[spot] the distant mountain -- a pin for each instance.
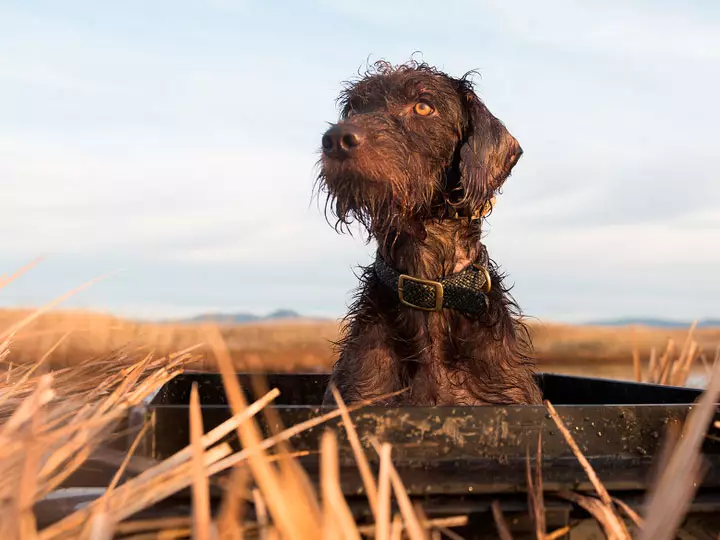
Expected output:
(657, 323)
(243, 318)
(239, 318)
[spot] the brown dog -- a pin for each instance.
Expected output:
(417, 159)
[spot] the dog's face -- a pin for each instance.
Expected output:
(412, 141)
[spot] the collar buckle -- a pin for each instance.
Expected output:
(436, 285)
(484, 271)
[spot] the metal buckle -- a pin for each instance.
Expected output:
(488, 284)
(439, 292)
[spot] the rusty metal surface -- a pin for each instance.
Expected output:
(465, 450)
(453, 460)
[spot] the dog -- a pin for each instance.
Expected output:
(416, 159)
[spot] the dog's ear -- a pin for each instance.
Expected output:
(488, 153)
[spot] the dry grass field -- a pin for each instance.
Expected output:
(306, 345)
(50, 424)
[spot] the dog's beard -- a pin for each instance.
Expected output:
(382, 206)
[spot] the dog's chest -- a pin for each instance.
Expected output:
(437, 340)
(439, 378)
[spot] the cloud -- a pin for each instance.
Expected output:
(604, 272)
(613, 28)
(180, 141)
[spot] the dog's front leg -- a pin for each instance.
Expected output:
(366, 369)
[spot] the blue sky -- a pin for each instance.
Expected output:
(178, 141)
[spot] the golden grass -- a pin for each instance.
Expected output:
(41, 449)
(53, 422)
(306, 345)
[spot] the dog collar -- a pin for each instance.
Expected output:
(464, 291)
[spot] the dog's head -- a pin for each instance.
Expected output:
(411, 143)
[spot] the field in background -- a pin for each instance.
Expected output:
(305, 345)
(52, 424)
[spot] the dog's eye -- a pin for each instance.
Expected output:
(423, 109)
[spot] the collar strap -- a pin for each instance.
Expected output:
(464, 291)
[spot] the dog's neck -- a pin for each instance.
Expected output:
(444, 247)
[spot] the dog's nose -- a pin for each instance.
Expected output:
(342, 140)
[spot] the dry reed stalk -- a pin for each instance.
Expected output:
(558, 533)
(292, 474)
(436, 523)
(592, 476)
(4, 281)
(636, 358)
(416, 510)
(684, 352)
(673, 491)
(217, 433)
(232, 508)
(396, 529)
(616, 523)
(89, 381)
(629, 512)
(78, 417)
(338, 520)
(82, 432)
(33, 368)
(500, 523)
(708, 369)
(27, 409)
(682, 368)
(264, 473)
(86, 439)
(261, 513)
(688, 338)
(665, 362)
(14, 328)
(382, 523)
(153, 524)
(360, 458)
(170, 480)
(613, 527)
(182, 533)
(131, 451)
(100, 527)
(452, 535)
(100, 524)
(136, 494)
(536, 501)
(652, 366)
(200, 487)
(411, 517)
(290, 432)
(27, 527)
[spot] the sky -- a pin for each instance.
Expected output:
(178, 141)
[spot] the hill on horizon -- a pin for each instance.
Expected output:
(653, 322)
(284, 314)
(244, 317)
